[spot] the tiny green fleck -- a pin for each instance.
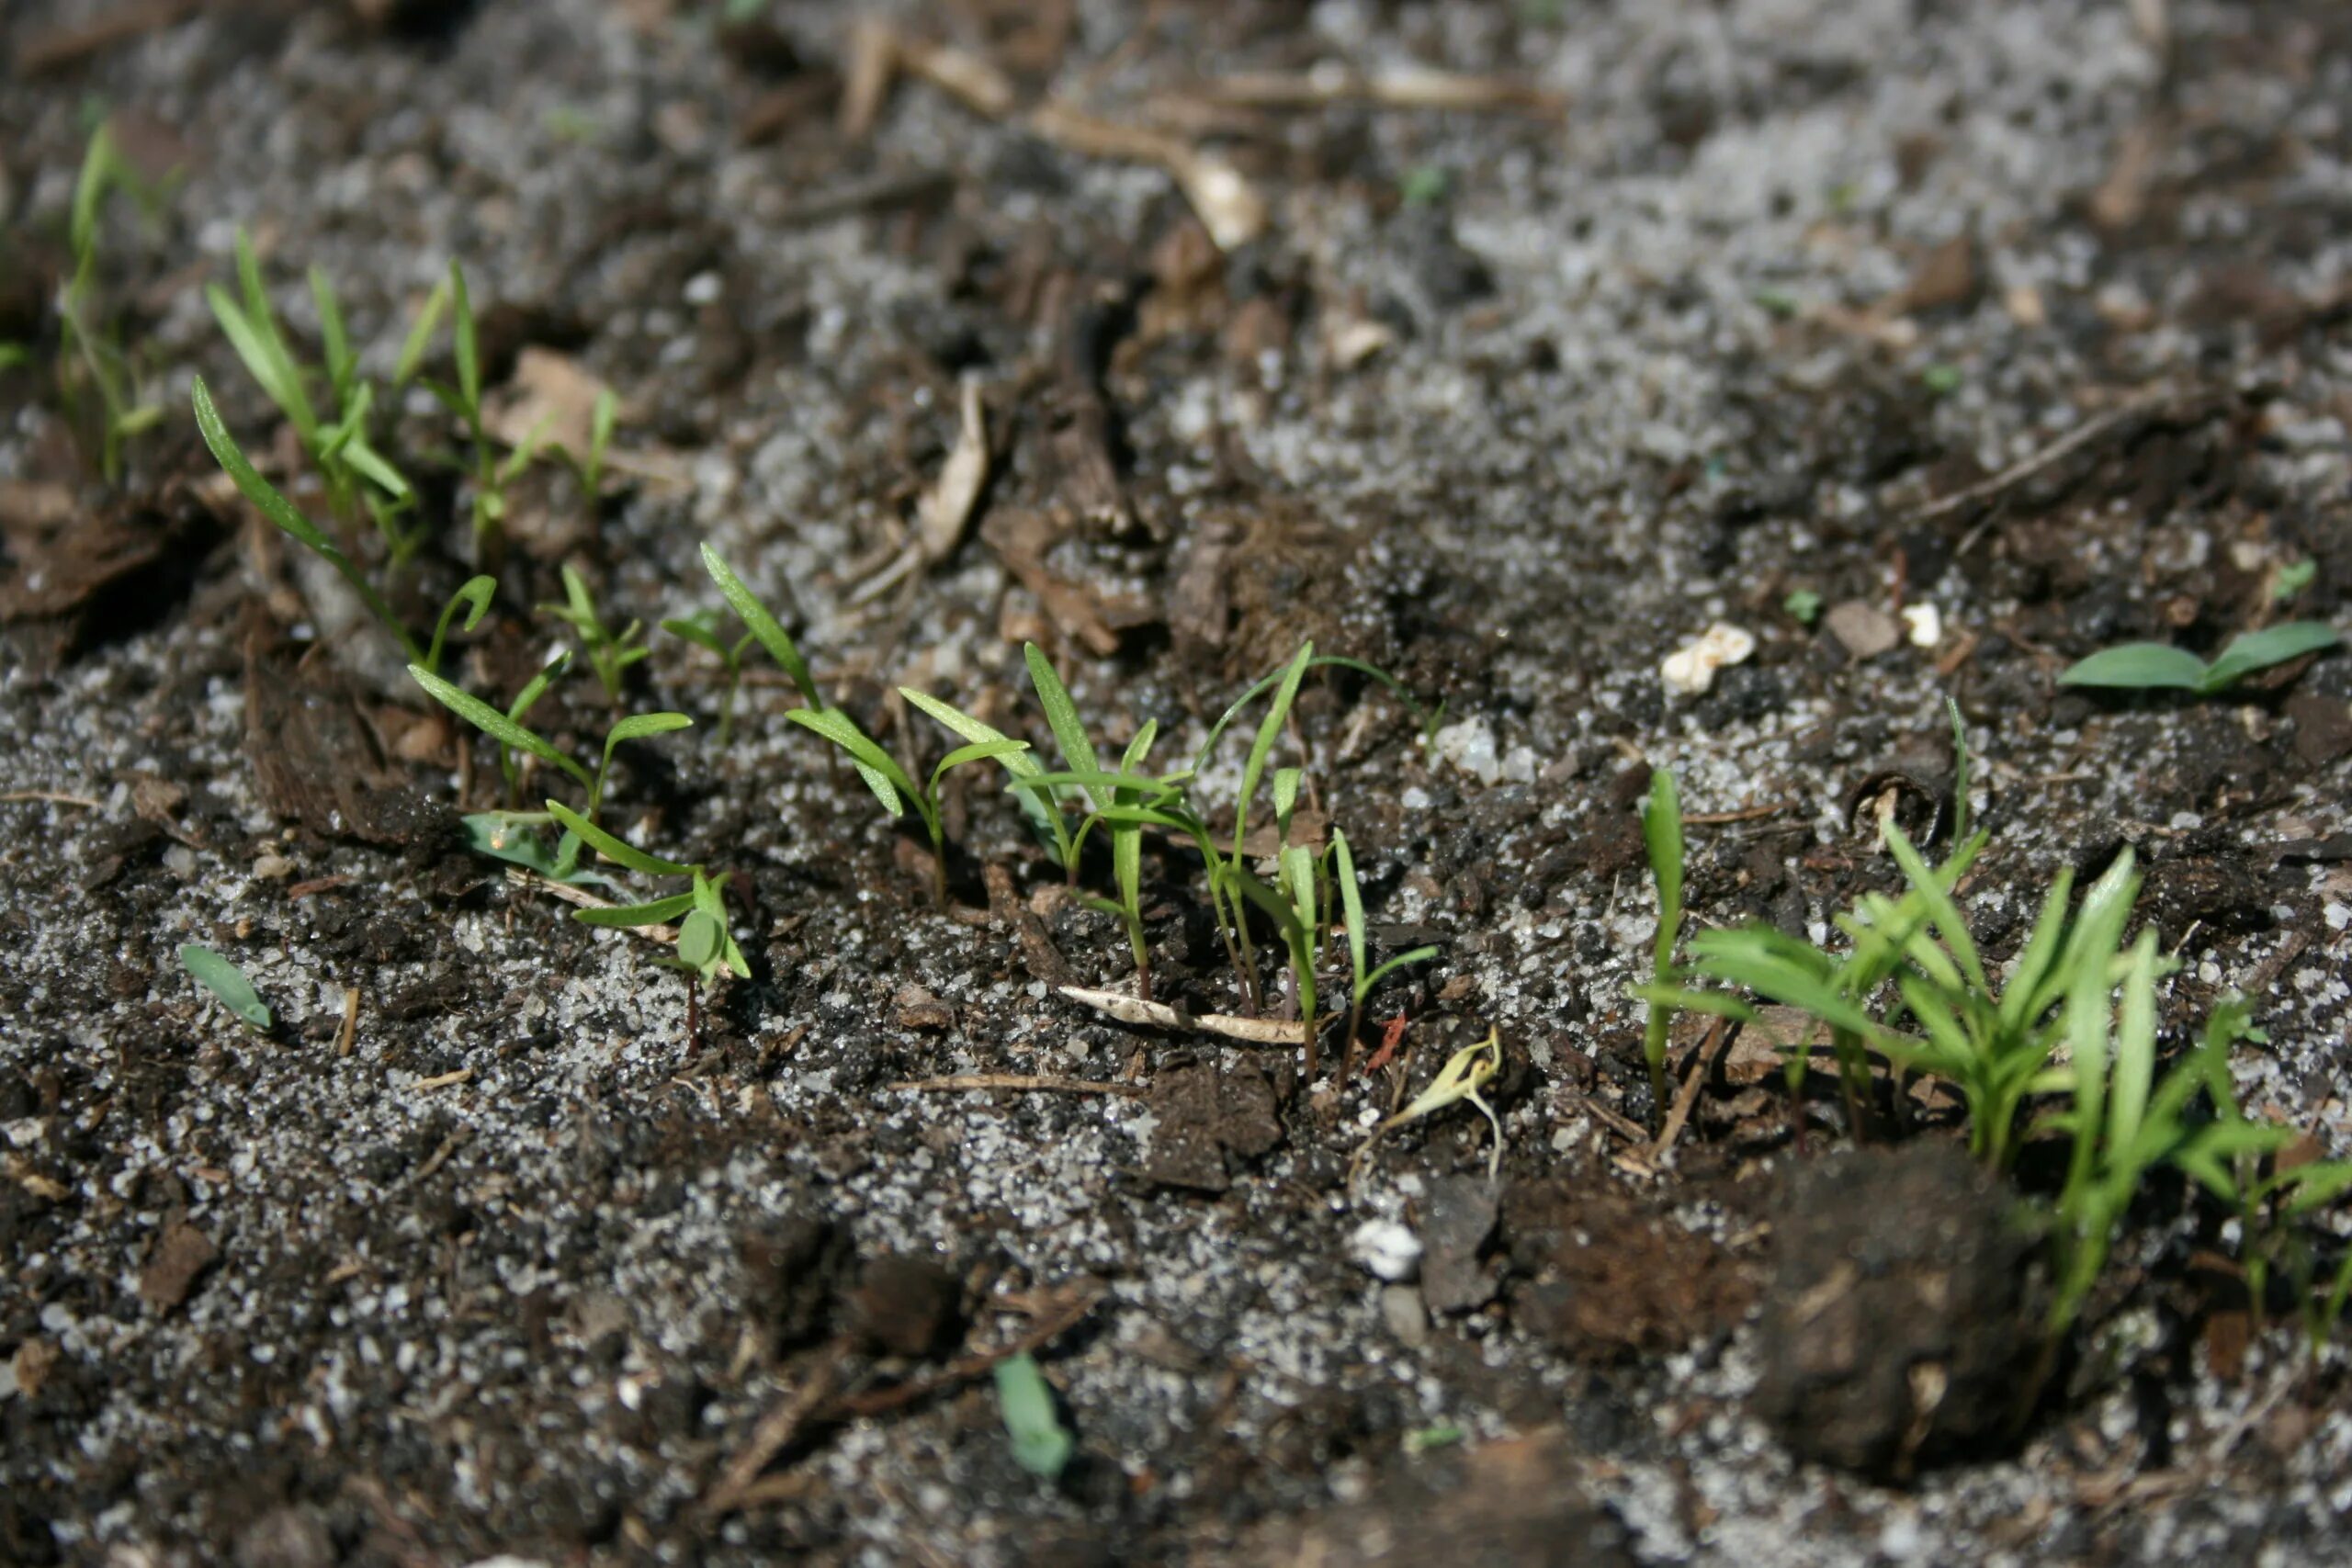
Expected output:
(1803, 605)
(1425, 185)
(2292, 580)
(1942, 380)
(1444, 1434)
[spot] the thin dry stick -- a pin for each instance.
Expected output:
(1039, 1082)
(666, 936)
(53, 796)
(347, 1037)
(776, 1431)
(1702, 1063)
(898, 1396)
(1745, 814)
(2016, 473)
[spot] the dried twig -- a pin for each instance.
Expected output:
(1406, 87)
(1230, 209)
(1039, 1082)
(776, 1431)
(2017, 473)
(53, 797)
(1702, 1062)
(347, 1038)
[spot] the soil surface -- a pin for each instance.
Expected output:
(2032, 315)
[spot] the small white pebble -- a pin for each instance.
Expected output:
(1390, 1250)
(1691, 669)
(1926, 624)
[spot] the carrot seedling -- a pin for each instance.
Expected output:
(702, 630)
(762, 626)
(92, 357)
(358, 475)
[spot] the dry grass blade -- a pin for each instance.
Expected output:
(948, 505)
(1230, 208)
(1409, 87)
(1142, 1014)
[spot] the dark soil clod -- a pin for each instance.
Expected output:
(1893, 1330)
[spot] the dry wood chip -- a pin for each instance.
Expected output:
(183, 1253)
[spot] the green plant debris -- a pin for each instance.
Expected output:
(1041, 1444)
(2151, 666)
(1445, 1435)
(92, 360)
(226, 982)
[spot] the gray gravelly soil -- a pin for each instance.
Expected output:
(523, 1267)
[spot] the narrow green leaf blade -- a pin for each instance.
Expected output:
(614, 848)
(762, 626)
(1061, 717)
(492, 723)
(2250, 651)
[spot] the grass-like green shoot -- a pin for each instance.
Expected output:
(511, 732)
(1253, 770)
(2146, 666)
(474, 594)
(705, 945)
(1662, 836)
(892, 787)
(358, 476)
(93, 360)
(762, 626)
(1362, 974)
(702, 630)
(228, 983)
(610, 653)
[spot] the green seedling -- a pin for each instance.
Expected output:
(14, 356)
(890, 784)
(590, 466)
(510, 762)
(228, 983)
(610, 653)
(1364, 975)
(358, 476)
(462, 398)
(1662, 836)
(1803, 606)
(515, 837)
(475, 595)
(1041, 1444)
(1444, 1434)
(93, 359)
(1126, 838)
(1465, 1073)
(2144, 666)
(1424, 185)
(705, 946)
(2292, 578)
(511, 733)
(702, 630)
(762, 626)
(1261, 749)
(1944, 380)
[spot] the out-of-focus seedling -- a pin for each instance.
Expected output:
(228, 983)
(1041, 1444)
(356, 474)
(92, 360)
(609, 653)
(702, 630)
(2145, 666)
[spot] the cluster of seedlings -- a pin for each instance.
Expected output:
(2062, 1047)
